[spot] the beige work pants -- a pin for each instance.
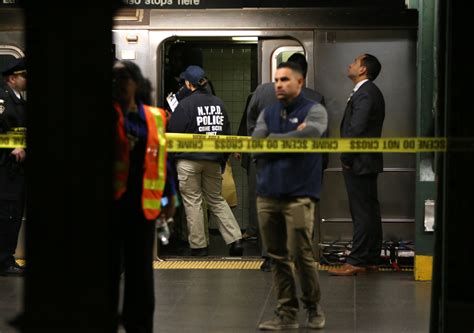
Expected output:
(198, 179)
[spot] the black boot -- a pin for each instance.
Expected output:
(236, 248)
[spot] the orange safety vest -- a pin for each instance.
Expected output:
(154, 176)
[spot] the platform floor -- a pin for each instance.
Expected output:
(236, 300)
(219, 295)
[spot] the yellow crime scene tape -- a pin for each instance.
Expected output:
(14, 140)
(242, 144)
(178, 142)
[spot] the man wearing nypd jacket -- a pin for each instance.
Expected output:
(200, 174)
(288, 186)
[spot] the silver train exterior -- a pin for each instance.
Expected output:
(241, 47)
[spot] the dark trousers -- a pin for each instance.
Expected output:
(10, 222)
(133, 246)
(12, 187)
(365, 211)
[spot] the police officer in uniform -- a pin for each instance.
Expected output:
(12, 179)
(200, 174)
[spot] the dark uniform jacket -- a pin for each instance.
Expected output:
(12, 114)
(363, 118)
(12, 110)
(200, 113)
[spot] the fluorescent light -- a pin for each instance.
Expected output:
(245, 39)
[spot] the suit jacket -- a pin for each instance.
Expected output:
(363, 118)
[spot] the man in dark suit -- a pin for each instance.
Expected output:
(363, 118)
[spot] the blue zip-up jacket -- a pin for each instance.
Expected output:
(290, 175)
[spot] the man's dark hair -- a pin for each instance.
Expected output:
(372, 64)
(291, 65)
(143, 84)
(300, 59)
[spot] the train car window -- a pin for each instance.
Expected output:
(282, 54)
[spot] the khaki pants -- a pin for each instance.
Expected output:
(286, 227)
(198, 179)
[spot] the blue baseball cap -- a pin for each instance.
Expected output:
(193, 74)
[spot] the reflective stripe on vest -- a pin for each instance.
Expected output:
(154, 176)
(155, 162)
(122, 163)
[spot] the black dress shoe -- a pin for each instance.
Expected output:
(12, 271)
(236, 248)
(202, 252)
(18, 321)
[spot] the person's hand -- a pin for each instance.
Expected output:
(346, 167)
(19, 154)
(238, 156)
(301, 126)
(170, 209)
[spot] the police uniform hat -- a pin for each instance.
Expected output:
(193, 74)
(16, 66)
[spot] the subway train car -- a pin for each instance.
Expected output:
(422, 49)
(240, 48)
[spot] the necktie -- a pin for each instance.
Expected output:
(350, 96)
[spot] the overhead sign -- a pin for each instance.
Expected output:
(205, 4)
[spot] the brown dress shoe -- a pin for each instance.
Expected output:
(346, 270)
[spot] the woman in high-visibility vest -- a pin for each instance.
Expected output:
(140, 185)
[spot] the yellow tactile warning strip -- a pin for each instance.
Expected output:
(381, 269)
(233, 264)
(207, 264)
(225, 264)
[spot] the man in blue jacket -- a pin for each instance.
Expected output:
(262, 97)
(288, 186)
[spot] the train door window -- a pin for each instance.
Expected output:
(282, 54)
